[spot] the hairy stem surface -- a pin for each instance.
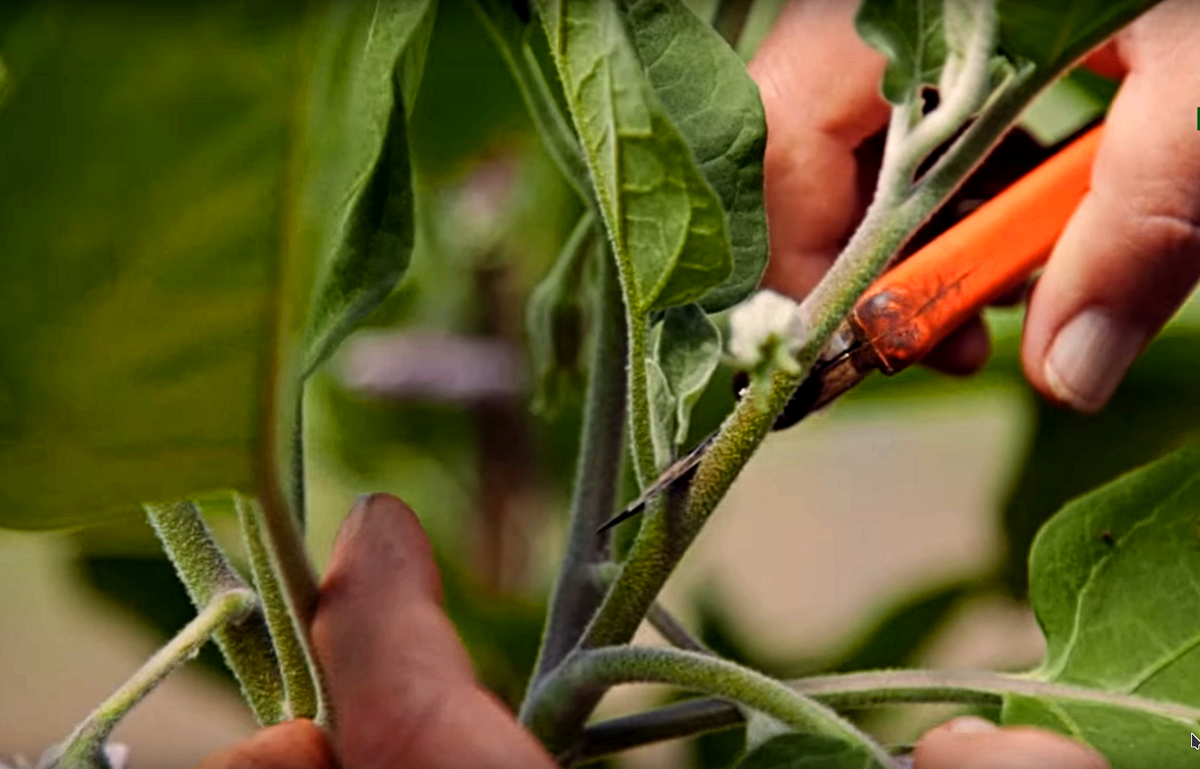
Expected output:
(294, 664)
(578, 590)
(852, 691)
(604, 668)
(83, 749)
(206, 573)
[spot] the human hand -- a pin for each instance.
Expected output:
(973, 743)
(1126, 261)
(400, 680)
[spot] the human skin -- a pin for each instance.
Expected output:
(405, 694)
(1129, 256)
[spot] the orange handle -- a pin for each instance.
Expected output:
(926, 297)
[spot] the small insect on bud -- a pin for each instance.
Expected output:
(766, 328)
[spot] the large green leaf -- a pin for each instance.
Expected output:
(705, 89)
(1115, 583)
(807, 751)
(154, 230)
(141, 159)
(665, 221)
(358, 200)
(1054, 35)
(1153, 411)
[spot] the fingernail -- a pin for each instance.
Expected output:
(1088, 358)
(971, 725)
(353, 520)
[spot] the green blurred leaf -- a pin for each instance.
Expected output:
(154, 240)
(1055, 35)
(1113, 583)
(665, 222)
(807, 751)
(705, 89)
(142, 158)
(924, 39)
(358, 200)
(554, 321)
(1154, 410)
(687, 352)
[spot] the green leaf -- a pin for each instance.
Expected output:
(358, 200)
(156, 231)
(663, 407)
(142, 158)
(664, 220)
(910, 34)
(511, 35)
(807, 751)
(554, 320)
(1114, 585)
(1153, 411)
(705, 89)
(923, 39)
(687, 353)
(1055, 35)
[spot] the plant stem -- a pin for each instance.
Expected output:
(294, 664)
(640, 424)
(83, 749)
(578, 591)
(848, 692)
(604, 668)
(666, 534)
(729, 19)
(206, 573)
(673, 631)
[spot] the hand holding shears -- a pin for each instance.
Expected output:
(919, 303)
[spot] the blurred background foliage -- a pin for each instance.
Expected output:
(431, 400)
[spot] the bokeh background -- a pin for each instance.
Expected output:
(889, 531)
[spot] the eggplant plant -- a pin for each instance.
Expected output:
(153, 362)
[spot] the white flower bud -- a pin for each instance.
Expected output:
(764, 325)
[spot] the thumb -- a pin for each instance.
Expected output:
(401, 682)
(973, 743)
(1131, 254)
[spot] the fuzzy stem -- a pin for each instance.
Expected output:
(673, 631)
(296, 579)
(640, 417)
(206, 573)
(666, 534)
(294, 663)
(84, 748)
(849, 692)
(577, 591)
(604, 668)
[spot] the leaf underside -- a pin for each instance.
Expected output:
(1115, 584)
(666, 223)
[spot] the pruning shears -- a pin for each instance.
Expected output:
(923, 299)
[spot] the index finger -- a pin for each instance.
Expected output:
(402, 684)
(819, 84)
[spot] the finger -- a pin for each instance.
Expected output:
(401, 682)
(964, 351)
(820, 89)
(1131, 253)
(973, 743)
(292, 745)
